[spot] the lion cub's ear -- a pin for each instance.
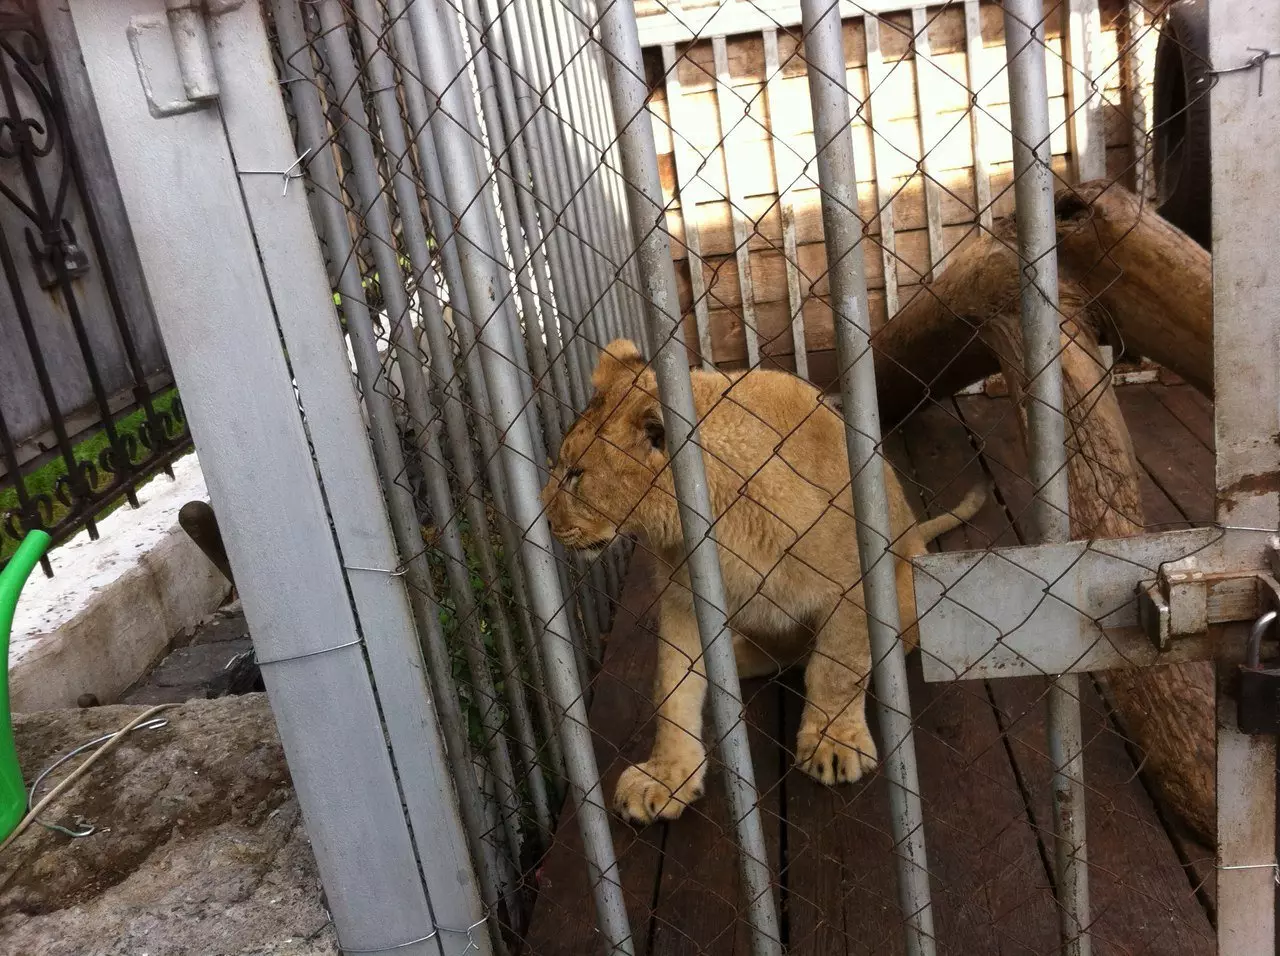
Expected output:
(617, 359)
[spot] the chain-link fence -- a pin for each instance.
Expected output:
(539, 215)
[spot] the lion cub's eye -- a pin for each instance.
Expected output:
(571, 479)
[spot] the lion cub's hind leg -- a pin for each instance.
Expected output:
(834, 744)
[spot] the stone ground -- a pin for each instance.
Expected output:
(200, 848)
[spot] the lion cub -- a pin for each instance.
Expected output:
(779, 482)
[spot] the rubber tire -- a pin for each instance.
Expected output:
(1180, 121)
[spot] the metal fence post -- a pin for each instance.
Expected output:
(1046, 430)
(1244, 130)
(621, 44)
(467, 200)
(833, 141)
(289, 559)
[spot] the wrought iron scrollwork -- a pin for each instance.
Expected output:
(42, 177)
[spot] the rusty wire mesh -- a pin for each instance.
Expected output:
(744, 214)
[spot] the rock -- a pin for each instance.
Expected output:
(200, 848)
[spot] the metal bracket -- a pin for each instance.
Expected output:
(1185, 598)
(172, 51)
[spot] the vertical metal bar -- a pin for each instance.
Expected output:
(789, 169)
(974, 53)
(367, 189)
(880, 153)
(573, 294)
(258, 130)
(322, 170)
(925, 75)
(1134, 59)
(1084, 99)
(733, 112)
(558, 135)
(413, 231)
(563, 280)
(601, 117)
(1244, 138)
(621, 43)
(400, 46)
(608, 182)
(837, 177)
(509, 206)
(572, 45)
(686, 177)
(439, 62)
(1046, 430)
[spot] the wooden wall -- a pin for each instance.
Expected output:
(769, 138)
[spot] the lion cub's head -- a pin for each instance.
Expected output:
(609, 476)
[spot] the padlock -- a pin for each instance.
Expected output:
(1258, 706)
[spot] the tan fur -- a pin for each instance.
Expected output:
(779, 481)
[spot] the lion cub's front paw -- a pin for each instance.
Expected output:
(658, 789)
(836, 753)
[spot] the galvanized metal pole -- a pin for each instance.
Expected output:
(380, 71)
(440, 67)
(1046, 430)
(366, 189)
(1244, 134)
(400, 45)
(565, 44)
(509, 205)
(552, 148)
(621, 43)
(312, 131)
(829, 96)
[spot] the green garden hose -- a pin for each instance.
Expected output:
(13, 793)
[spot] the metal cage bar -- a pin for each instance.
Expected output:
(640, 164)
(1046, 431)
(833, 141)
(466, 199)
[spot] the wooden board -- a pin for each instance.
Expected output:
(1179, 462)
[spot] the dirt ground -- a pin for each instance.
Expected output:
(199, 851)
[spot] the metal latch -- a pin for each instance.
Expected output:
(1185, 598)
(174, 57)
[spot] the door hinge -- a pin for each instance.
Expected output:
(173, 55)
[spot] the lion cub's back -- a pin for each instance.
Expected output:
(764, 419)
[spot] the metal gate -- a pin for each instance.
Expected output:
(481, 187)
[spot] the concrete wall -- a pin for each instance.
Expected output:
(114, 605)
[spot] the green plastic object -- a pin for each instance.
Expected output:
(13, 792)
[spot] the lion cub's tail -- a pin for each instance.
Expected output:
(957, 516)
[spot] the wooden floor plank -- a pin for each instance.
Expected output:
(992, 892)
(1181, 464)
(701, 907)
(1141, 900)
(563, 922)
(1189, 407)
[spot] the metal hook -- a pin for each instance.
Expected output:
(1253, 650)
